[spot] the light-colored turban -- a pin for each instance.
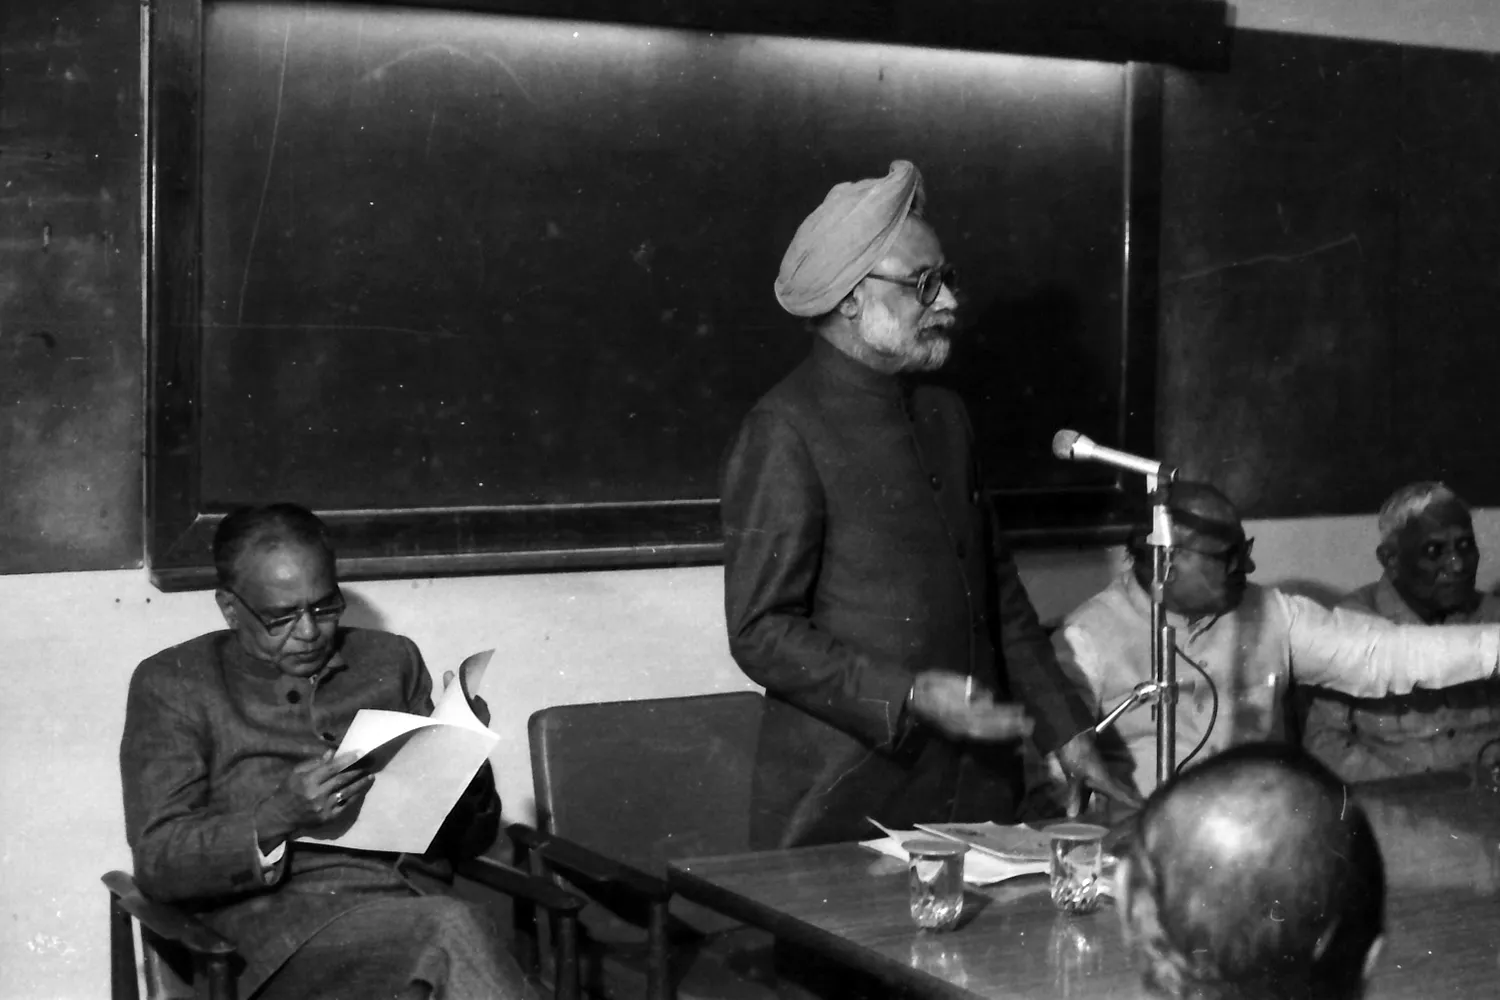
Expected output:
(845, 237)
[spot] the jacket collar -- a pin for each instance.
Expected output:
(837, 365)
(233, 655)
(1389, 604)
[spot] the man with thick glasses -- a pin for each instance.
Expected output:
(1241, 644)
(227, 757)
(1430, 561)
(867, 587)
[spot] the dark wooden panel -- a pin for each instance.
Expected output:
(70, 332)
(1279, 262)
(1447, 345)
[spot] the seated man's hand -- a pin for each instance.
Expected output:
(1081, 760)
(316, 791)
(943, 700)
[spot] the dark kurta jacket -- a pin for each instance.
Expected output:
(859, 551)
(211, 732)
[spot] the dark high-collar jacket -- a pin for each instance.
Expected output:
(860, 550)
(210, 732)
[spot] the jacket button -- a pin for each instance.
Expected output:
(293, 697)
(961, 550)
(937, 483)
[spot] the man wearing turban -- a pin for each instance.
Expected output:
(866, 585)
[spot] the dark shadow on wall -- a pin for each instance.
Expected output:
(360, 613)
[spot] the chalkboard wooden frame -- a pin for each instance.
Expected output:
(456, 540)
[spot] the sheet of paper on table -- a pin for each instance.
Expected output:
(979, 868)
(982, 867)
(1009, 843)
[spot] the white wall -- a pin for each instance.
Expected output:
(71, 640)
(1457, 24)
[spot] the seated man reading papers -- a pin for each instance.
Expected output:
(227, 758)
(1253, 877)
(1431, 560)
(1243, 643)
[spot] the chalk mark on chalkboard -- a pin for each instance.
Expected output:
(1268, 258)
(351, 327)
(378, 73)
(265, 187)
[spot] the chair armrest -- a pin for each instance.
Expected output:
(580, 861)
(514, 882)
(164, 919)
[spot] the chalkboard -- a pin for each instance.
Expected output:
(493, 292)
(1329, 288)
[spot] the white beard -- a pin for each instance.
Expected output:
(914, 349)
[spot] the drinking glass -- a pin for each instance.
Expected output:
(1077, 857)
(936, 876)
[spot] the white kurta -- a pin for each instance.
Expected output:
(1251, 653)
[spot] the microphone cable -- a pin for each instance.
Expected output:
(1213, 716)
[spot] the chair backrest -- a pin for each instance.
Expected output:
(648, 781)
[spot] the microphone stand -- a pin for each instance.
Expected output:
(1163, 635)
(1161, 689)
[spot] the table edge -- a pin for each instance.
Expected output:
(897, 974)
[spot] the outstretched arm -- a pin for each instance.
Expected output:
(1368, 657)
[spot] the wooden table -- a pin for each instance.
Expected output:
(1440, 838)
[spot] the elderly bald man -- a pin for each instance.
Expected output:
(1243, 643)
(1253, 877)
(867, 587)
(1430, 561)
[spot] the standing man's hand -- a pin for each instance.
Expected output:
(1081, 759)
(949, 702)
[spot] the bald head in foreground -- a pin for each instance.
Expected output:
(1253, 877)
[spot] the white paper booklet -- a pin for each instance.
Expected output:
(421, 766)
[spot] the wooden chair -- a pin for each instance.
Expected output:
(621, 789)
(184, 958)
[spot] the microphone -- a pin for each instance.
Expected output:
(1075, 447)
(1144, 692)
